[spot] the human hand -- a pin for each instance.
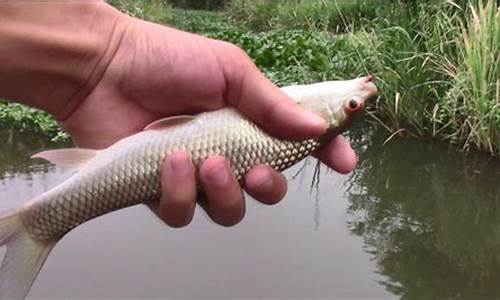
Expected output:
(158, 72)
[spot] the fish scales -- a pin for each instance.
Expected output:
(128, 173)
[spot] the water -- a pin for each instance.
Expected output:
(416, 220)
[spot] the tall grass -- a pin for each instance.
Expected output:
(474, 101)
(405, 54)
(437, 62)
(337, 16)
(439, 71)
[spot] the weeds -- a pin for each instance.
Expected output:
(439, 72)
(474, 101)
(337, 16)
(437, 62)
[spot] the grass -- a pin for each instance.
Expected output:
(474, 101)
(336, 16)
(405, 57)
(436, 62)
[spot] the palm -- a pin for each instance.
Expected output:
(142, 85)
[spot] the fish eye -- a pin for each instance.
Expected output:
(354, 104)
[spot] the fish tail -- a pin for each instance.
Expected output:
(22, 257)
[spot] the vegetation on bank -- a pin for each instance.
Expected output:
(30, 119)
(437, 62)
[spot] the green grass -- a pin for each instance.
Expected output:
(406, 58)
(337, 16)
(474, 101)
(436, 62)
(441, 79)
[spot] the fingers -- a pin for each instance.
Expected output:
(225, 200)
(338, 155)
(265, 184)
(262, 101)
(178, 185)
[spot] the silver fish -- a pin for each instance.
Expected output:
(128, 172)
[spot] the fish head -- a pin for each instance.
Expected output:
(338, 102)
(347, 99)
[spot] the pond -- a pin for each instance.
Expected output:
(415, 220)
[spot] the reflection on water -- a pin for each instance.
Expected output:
(415, 221)
(430, 216)
(22, 178)
(14, 154)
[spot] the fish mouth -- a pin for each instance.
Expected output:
(370, 88)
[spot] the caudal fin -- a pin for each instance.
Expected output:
(22, 260)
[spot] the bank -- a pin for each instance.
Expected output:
(436, 62)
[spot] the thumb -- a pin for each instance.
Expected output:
(262, 101)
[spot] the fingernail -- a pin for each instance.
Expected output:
(218, 175)
(314, 120)
(179, 163)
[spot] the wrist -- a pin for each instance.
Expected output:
(57, 51)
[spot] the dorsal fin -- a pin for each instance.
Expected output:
(168, 122)
(69, 157)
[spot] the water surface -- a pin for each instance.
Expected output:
(416, 219)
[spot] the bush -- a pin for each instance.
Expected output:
(23, 118)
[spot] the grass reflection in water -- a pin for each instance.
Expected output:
(430, 216)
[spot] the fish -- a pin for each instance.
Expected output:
(127, 173)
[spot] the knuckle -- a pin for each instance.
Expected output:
(235, 60)
(235, 51)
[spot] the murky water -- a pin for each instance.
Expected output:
(414, 220)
